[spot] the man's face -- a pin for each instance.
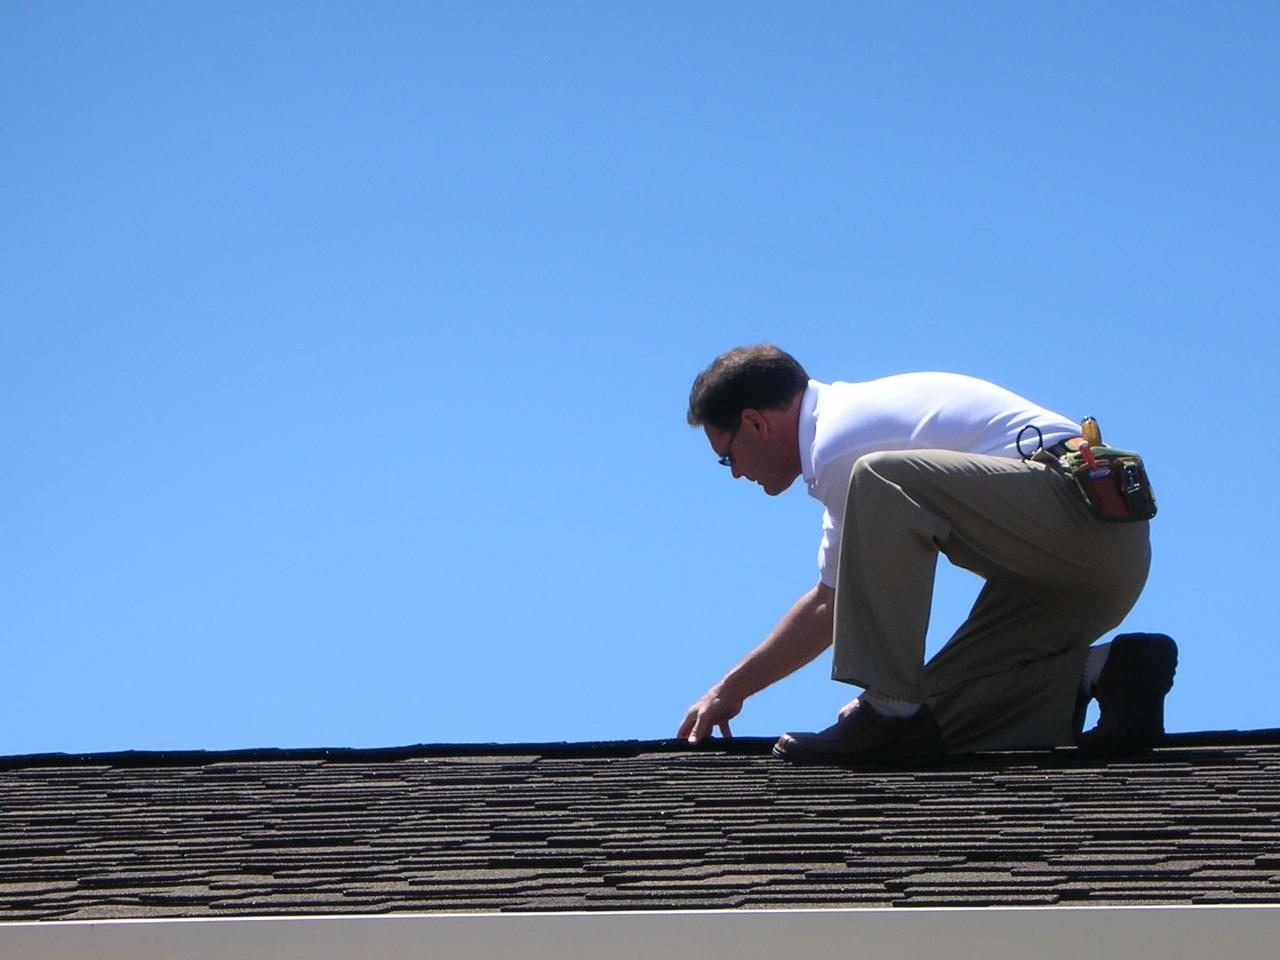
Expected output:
(754, 451)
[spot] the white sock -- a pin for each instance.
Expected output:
(1093, 665)
(888, 706)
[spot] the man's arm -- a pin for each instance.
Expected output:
(802, 634)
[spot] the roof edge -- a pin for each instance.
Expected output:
(993, 933)
(750, 746)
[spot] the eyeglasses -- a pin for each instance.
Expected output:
(727, 459)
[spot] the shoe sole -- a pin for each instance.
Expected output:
(861, 759)
(1155, 659)
(888, 757)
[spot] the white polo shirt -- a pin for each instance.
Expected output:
(839, 422)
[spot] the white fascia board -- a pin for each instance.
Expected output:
(991, 933)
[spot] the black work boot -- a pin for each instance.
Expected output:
(1130, 692)
(865, 736)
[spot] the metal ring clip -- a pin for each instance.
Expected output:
(1039, 441)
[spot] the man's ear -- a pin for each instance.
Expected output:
(756, 421)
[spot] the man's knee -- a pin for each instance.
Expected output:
(892, 489)
(879, 482)
(892, 466)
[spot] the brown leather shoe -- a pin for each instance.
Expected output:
(864, 736)
(1130, 692)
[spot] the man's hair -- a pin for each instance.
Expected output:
(759, 377)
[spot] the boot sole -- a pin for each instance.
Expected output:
(884, 758)
(1152, 663)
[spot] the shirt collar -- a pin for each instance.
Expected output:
(808, 426)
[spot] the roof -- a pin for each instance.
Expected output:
(637, 825)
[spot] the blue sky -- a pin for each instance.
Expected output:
(345, 347)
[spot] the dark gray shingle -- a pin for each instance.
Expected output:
(629, 826)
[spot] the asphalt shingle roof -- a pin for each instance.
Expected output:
(630, 826)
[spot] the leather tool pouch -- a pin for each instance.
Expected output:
(1117, 488)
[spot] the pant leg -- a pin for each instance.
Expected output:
(1057, 578)
(1009, 677)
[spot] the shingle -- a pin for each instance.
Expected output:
(629, 826)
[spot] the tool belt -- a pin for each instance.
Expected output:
(1112, 482)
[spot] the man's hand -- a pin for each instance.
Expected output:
(802, 634)
(715, 709)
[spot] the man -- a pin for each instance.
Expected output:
(908, 467)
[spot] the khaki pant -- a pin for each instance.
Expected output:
(1056, 580)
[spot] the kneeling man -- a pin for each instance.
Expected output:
(908, 467)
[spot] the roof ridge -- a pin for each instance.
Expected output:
(749, 746)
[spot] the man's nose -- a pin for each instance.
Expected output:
(736, 472)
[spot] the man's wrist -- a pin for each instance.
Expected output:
(730, 689)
